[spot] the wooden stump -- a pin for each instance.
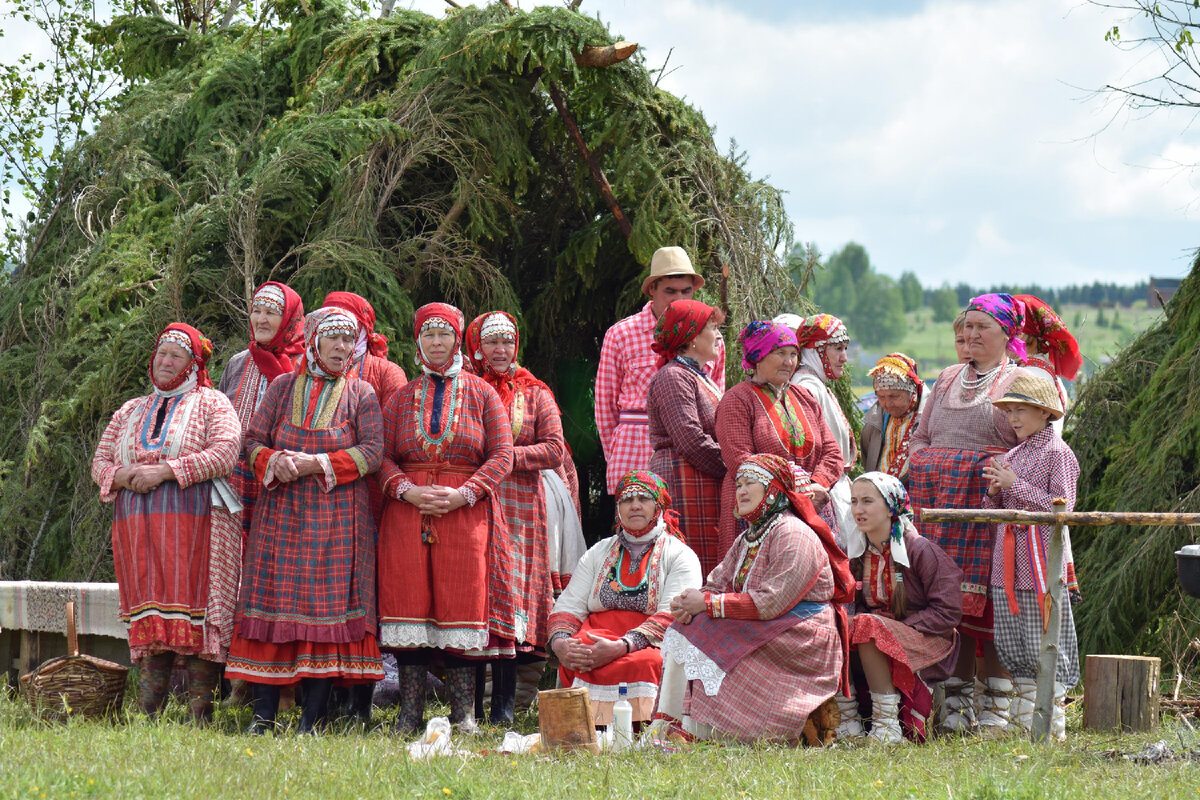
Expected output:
(1121, 692)
(565, 720)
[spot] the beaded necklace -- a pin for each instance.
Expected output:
(970, 386)
(430, 442)
(618, 584)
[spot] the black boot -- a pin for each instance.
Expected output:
(504, 691)
(361, 696)
(480, 687)
(411, 718)
(316, 703)
(266, 706)
(460, 685)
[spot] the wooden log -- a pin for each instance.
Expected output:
(605, 55)
(1092, 518)
(565, 720)
(1121, 692)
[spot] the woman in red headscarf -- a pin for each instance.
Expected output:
(306, 613)
(163, 460)
(447, 447)
(492, 342)
(370, 359)
(276, 345)
(681, 403)
(1049, 348)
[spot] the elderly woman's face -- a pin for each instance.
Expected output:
(335, 350)
(835, 354)
(895, 402)
(705, 347)
(438, 345)
(749, 494)
(636, 512)
(870, 510)
(264, 323)
(777, 366)
(986, 340)
(498, 352)
(960, 346)
(169, 360)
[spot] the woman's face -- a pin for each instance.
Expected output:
(986, 340)
(264, 324)
(498, 352)
(835, 354)
(636, 512)
(704, 347)
(749, 494)
(169, 360)
(895, 402)
(438, 345)
(777, 366)
(870, 510)
(335, 350)
(960, 346)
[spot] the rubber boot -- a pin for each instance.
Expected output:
(995, 696)
(1022, 705)
(885, 719)
(203, 676)
(411, 680)
(957, 714)
(154, 681)
(851, 726)
(504, 691)
(266, 706)
(316, 703)
(481, 687)
(460, 685)
(361, 697)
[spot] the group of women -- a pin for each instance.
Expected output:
(320, 509)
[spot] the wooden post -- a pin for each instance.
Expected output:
(1121, 692)
(1043, 705)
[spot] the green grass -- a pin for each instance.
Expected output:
(166, 759)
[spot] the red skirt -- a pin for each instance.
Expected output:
(640, 671)
(285, 663)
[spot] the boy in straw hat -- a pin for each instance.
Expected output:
(1030, 477)
(627, 364)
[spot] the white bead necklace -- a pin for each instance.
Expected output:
(970, 386)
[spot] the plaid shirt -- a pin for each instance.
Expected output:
(626, 366)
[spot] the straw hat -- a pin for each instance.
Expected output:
(671, 262)
(1034, 391)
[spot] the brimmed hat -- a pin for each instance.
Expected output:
(671, 262)
(1033, 391)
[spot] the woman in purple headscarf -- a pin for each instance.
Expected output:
(766, 413)
(959, 433)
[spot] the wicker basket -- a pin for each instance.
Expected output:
(75, 685)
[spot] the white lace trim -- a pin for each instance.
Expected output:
(396, 634)
(603, 693)
(696, 665)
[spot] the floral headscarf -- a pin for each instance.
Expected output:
(760, 337)
(816, 333)
(643, 483)
(681, 321)
(278, 355)
(326, 321)
(1050, 332)
(195, 373)
(896, 497)
(1009, 312)
(439, 315)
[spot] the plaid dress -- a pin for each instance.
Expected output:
(682, 408)
(177, 573)
(307, 606)
(434, 588)
(386, 378)
(744, 428)
(627, 364)
(770, 692)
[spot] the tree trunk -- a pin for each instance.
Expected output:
(1120, 692)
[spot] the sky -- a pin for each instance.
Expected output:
(958, 139)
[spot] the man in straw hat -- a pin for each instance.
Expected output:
(627, 364)
(1028, 478)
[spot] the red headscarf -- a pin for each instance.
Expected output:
(452, 317)
(507, 383)
(681, 321)
(198, 346)
(1052, 336)
(279, 355)
(364, 312)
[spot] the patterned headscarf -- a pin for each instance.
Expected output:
(1050, 332)
(368, 340)
(279, 355)
(643, 483)
(487, 325)
(760, 337)
(195, 373)
(897, 371)
(896, 498)
(816, 333)
(326, 321)
(1009, 312)
(439, 315)
(681, 321)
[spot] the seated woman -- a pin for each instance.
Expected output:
(762, 646)
(905, 615)
(607, 624)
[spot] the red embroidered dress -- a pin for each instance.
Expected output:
(433, 571)
(307, 607)
(172, 596)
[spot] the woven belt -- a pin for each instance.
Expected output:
(633, 418)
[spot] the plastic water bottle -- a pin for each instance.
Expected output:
(622, 720)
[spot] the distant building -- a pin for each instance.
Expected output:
(1161, 287)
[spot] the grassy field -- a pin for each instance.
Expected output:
(932, 343)
(166, 759)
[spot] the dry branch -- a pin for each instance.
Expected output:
(605, 56)
(1073, 518)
